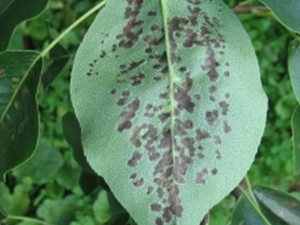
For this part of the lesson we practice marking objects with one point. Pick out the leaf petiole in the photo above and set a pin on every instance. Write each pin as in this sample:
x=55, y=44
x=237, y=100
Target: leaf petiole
x=71, y=27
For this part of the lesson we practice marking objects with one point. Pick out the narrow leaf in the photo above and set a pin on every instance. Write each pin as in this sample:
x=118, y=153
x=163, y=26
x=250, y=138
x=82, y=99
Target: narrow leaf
x=13, y=12
x=169, y=100
x=294, y=67
x=282, y=205
x=244, y=213
x=288, y=12
x=72, y=134
x=19, y=80
x=296, y=138
x=58, y=60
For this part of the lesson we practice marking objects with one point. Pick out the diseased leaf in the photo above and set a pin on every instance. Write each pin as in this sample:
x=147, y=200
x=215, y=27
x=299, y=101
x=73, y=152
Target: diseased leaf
x=170, y=105
x=19, y=78
x=288, y=12
x=296, y=138
x=282, y=205
x=21, y=10
x=294, y=67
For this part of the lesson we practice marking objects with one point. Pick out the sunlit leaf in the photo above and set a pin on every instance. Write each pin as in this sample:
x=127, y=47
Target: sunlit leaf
x=282, y=205
x=169, y=100
x=13, y=12
x=296, y=138
x=287, y=11
x=19, y=78
x=294, y=67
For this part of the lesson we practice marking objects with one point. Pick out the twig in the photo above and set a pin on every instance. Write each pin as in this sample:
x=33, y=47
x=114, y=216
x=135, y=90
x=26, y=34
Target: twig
x=249, y=9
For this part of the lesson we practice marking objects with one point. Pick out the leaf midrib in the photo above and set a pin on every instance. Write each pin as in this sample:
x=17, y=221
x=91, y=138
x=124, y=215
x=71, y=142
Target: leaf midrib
x=172, y=77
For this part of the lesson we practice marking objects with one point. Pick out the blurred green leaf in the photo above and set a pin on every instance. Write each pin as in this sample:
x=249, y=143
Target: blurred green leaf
x=68, y=175
x=101, y=208
x=5, y=199
x=296, y=138
x=19, y=79
x=243, y=213
x=57, y=61
x=294, y=66
x=42, y=166
x=20, y=198
x=72, y=133
x=88, y=182
x=59, y=212
x=288, y=12
x=13, y=12
x=279, y=205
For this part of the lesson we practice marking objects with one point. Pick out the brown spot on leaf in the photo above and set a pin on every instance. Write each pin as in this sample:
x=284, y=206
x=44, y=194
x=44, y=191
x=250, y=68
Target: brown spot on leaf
x=155, y=207
x=200, y=179
x=134, y=159
x=211, y=116
x=128, y=114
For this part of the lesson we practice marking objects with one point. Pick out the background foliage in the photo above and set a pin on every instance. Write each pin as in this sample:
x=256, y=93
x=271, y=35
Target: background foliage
x=50, y=190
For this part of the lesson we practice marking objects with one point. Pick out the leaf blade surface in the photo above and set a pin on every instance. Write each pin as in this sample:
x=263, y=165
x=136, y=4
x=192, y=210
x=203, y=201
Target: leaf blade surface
x=19, y=78
x=163, y=100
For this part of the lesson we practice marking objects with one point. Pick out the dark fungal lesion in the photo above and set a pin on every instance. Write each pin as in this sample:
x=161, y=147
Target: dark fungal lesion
x=154, y=142
x=128, y=114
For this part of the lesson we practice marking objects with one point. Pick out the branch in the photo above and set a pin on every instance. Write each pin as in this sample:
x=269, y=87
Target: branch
x=249, y=9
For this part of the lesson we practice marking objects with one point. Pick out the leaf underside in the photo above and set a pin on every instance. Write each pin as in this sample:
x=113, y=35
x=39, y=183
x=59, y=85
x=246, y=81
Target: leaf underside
x=169, y=100
x=288, y=12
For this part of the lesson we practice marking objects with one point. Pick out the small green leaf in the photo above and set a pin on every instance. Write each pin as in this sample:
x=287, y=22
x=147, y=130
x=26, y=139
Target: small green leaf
x=101, y=208
x=294, y=67
x=13, y=12
x=19, y=79
x=282, y=205
x=170, y=104
x=244, y=213
x=42, y=166
x=288, y=12
x=296, y=138
x=59, y=212
x=5, y=200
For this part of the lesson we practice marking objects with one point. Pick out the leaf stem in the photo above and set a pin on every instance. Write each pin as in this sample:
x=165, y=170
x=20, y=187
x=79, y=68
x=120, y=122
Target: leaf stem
x=254, y=204
x=27, y=219
x=71, y=27
x=241, y=9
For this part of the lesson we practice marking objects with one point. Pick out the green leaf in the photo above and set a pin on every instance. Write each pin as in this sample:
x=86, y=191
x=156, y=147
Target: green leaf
x=58, y=60
x=101, y=208
x=169, y=100
x=296, y=138
x=19, y=78
x=72, y=134
x=244, y=213
x=288, y=12
x=282, y=205
x=21, y=10
x=43, y=165
x=64, y=214
x=88, y=182
x=294, y=67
